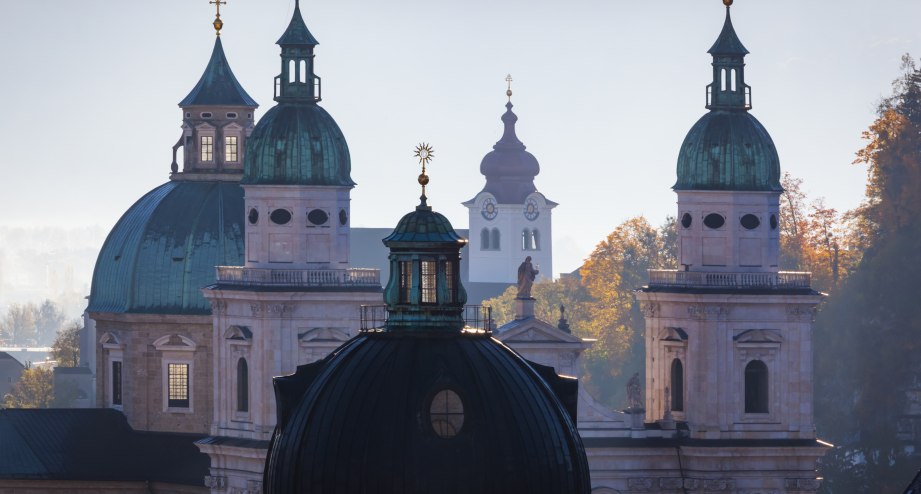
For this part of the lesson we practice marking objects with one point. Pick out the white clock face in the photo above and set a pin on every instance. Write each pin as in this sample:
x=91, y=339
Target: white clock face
x=531, y=212
x=489, y=211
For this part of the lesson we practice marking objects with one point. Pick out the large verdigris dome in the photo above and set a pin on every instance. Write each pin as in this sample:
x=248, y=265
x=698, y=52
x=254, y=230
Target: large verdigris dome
x=164, y=249
x=728, y=150
x=297, y=144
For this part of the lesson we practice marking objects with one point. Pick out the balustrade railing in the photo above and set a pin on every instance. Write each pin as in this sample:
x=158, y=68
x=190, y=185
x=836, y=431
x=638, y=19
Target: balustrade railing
x=475, y=317
x=698, y=279
x=238, y=275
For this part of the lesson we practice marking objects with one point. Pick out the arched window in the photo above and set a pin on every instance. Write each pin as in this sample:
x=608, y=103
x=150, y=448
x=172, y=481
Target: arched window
x=303, y=75
x=496, y=240
x=723, y=79
x=292, y=71
x=526, y=239
x=677, y=397
x=406, y=281
x=756, y=387
x=733, y=79
x=535, y=240
x=242, y=386
x=484, y=239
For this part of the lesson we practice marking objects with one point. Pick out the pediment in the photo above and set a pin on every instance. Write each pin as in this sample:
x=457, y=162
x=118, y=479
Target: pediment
x=109, y=340
x=323, y=335
x=239, y=333
x=534, y=331
x=174, y=342
x=673, y=334
x=759, y=336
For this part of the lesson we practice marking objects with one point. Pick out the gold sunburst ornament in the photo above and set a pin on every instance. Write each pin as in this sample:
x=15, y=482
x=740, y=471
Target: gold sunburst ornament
x=424, y=153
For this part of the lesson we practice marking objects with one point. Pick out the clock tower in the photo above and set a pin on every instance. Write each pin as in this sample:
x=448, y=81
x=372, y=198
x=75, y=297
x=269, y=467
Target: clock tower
x=509, y=218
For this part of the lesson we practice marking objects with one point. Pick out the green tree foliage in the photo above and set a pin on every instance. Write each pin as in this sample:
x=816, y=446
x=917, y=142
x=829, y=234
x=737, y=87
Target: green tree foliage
x=868, y=377
x=66, y=347
x=35, y=389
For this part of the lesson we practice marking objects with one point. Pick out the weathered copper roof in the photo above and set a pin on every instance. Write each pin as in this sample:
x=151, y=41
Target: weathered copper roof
x=164, y=249
x=424, y=226
x=728, y=42
x=218, y=86
x=358, y=422
x=297, y=32
x=297, y=144
x=728, y=150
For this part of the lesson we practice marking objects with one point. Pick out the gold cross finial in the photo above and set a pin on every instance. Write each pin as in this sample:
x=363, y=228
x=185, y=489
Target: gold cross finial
x=218, y=23
x=508, y=92
x=424, y=153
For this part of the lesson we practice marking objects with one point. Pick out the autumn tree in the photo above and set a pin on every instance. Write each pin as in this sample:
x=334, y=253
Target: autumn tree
x=66, y=347
x=35, y=389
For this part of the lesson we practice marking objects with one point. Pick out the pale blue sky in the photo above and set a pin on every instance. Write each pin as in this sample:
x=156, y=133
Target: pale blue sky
x=605, y=91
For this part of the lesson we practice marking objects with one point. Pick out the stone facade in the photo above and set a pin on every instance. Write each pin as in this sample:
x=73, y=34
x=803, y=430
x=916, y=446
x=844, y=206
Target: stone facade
x=143, y=345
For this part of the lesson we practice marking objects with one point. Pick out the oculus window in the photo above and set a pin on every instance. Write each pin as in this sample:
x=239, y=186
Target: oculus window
x=446, y=414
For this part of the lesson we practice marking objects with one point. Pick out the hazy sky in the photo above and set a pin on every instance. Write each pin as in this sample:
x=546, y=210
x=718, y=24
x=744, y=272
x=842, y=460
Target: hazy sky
x=605, y=91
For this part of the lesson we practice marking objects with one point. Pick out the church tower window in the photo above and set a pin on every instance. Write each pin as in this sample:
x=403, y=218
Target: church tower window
x=230, y=149
x=116, y=382
x=178, y=382
x=450, y=282
x=207, y=148
x=535, y=240
x=406, y=281
x=677, y=391
x=484, y=239
x=242, y=386
x=428, y=282
x=496, y=239
x=756, y=387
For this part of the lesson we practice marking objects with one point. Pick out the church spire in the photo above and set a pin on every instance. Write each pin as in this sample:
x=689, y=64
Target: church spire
x=297, y=81
x=728, y=90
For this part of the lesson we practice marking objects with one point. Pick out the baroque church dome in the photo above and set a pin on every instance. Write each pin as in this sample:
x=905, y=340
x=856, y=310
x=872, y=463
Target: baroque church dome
x=509, y=169
x=164, y=249
x=728, y=148
x=297, y=142
x=425, y=403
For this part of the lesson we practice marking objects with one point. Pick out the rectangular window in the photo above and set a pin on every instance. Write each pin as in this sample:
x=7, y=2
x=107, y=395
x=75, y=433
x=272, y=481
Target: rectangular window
x=116, y=382
x=406, y=281
x=428, y=282
x=449, y=281
x=178, y=382
x=207, y=148
x=230, y=149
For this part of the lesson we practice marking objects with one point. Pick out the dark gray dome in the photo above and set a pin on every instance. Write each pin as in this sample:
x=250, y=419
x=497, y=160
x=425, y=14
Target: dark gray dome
x=365, y=422
x=509, y=169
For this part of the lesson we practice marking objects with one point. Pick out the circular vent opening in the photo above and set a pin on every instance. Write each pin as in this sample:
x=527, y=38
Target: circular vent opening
x=750, y=222
x=280, y=216
x=714, y=221
x=253, y=216
x=686, y=220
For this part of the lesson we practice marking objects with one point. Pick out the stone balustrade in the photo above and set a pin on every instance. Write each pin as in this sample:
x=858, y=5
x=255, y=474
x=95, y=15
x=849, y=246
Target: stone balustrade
x=703, y=279
x=239, y=275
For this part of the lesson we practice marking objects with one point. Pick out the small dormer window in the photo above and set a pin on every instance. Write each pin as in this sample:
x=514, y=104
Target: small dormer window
x=206, y=114
x=207, y=148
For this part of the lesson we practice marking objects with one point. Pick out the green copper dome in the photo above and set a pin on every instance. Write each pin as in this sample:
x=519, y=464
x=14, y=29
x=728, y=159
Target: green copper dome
x=164, y=249
x=297, y=144
x=728, y=150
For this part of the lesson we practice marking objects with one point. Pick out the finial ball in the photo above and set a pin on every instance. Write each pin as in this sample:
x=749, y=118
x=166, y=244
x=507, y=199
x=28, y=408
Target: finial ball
x=423, y=179
x=727, y=2
x=509, y=93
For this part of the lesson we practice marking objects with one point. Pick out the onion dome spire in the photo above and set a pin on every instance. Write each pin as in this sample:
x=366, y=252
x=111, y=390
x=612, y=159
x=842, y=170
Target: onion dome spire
x=509, y=169
x=297, y=81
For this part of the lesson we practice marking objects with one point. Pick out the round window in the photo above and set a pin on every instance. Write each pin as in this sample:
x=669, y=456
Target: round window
x=280, y=216
x=750, y=222
x=343, y=217
x=253, y=216
x=773, y=222
x=714, y=221
x=317, y=217
x=686, y=220
x=446, y=414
